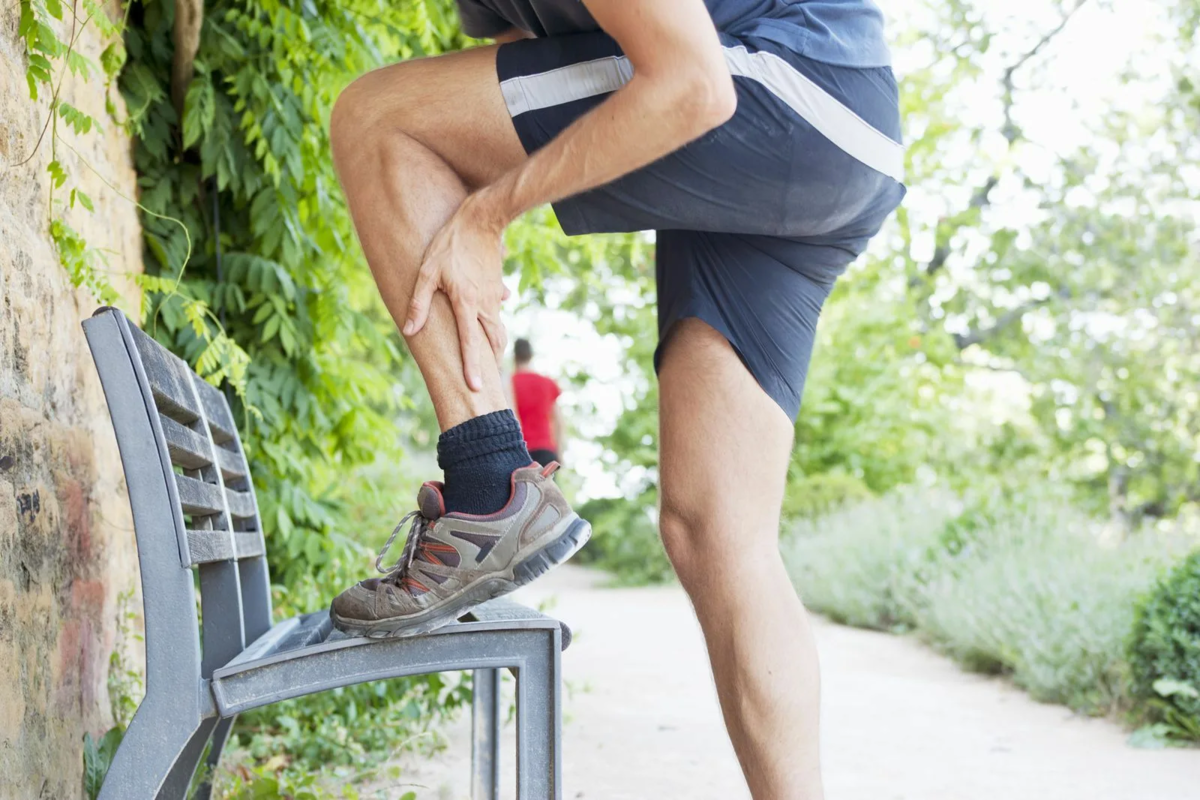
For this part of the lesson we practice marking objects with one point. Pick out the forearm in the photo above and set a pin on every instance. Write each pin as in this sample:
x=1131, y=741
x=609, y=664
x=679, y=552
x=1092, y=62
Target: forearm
x=646, y=119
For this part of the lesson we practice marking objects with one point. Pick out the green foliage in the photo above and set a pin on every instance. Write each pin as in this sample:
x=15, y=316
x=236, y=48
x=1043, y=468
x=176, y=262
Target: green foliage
x=822, y=494
x=1164, y=651
x=97, y=758
x=125, y=684
x=860, y=565
x=124, y=694
x=1019, y=583
x=43, y=48
x=82, y=262
x=266, y=783
x=625, y=542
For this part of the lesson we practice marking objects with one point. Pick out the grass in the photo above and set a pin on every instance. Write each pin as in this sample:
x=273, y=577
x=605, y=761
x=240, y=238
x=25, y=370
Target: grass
x=1020, y=584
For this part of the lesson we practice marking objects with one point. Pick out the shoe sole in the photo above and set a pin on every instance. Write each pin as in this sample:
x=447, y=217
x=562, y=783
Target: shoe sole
x=486, y=588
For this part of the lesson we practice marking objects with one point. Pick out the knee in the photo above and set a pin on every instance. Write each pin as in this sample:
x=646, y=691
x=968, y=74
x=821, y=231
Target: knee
x=692, y=538
x=346, y=124
x=711, y=542
x=364, y=122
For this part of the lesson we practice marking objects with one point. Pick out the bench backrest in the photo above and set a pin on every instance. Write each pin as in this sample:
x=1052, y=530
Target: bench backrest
x=193, y=504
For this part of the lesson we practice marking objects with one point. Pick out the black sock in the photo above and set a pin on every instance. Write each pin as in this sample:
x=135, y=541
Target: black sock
x=478, y=458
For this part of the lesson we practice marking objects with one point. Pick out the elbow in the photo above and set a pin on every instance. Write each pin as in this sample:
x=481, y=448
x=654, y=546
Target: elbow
x=712, y=99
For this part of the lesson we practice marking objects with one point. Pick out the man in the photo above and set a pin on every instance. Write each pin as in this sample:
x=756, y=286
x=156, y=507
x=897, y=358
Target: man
x=760, y=138
x=535, y=399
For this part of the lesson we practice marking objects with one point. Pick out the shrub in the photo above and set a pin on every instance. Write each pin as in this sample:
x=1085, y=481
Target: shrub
x=625, y=542
x=817, y=495
x=1164, y=651
x=1017, y=582
x=859, y=565
x=1036, y=595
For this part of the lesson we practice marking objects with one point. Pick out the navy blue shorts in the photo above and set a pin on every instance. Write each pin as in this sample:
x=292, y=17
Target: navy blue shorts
x=755, y=219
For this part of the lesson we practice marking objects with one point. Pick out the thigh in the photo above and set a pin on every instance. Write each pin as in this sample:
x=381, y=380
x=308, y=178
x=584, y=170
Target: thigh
x=762, y=294
x=450, y=103
x=724, y=444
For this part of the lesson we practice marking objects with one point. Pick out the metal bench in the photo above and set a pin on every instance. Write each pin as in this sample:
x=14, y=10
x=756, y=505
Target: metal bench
x=194, y=507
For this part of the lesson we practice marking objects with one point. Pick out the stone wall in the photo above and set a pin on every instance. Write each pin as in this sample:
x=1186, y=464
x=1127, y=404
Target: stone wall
x=66, y=537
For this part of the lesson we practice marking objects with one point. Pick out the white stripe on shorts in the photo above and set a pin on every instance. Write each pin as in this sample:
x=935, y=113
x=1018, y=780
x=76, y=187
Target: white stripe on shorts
x=840, y=125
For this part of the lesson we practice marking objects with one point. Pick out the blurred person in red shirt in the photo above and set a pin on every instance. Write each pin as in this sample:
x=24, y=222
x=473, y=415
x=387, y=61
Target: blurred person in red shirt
x=535, y=399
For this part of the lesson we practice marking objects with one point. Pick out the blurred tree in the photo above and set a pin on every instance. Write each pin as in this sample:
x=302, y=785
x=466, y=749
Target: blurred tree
x=1092, y=297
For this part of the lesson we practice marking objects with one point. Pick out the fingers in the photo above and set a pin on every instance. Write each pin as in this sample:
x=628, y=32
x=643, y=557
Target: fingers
x=466, y=316
x=422, y=297
x=496, y=334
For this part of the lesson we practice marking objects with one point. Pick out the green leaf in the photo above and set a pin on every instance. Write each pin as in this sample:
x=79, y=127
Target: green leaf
x=58, y=175
x=84, y=200
x=97, y=758
x=80, y=64
x=113, y=58
x=26, y=23
x=270, y=329
x=198, y=110
x=1167, y=687
x=78, y=121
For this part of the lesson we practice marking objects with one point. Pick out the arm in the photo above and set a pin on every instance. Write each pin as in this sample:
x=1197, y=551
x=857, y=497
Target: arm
x=681, y=88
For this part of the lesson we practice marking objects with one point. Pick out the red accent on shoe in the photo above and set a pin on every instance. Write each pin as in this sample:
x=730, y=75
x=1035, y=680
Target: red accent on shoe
x=438, y=489
x=550, y=469
x=410, y=582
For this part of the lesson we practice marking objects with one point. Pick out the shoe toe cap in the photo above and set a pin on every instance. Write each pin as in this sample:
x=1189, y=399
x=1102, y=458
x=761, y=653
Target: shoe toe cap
x=357, y=602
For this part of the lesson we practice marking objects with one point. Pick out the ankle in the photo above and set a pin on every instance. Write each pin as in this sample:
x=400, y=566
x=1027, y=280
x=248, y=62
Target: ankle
x=478, y=458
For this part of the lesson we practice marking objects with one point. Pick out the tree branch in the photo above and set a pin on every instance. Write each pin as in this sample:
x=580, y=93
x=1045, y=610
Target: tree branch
x=189, y=19
x=1010, y=131
x=980, y=199
x=981, y=335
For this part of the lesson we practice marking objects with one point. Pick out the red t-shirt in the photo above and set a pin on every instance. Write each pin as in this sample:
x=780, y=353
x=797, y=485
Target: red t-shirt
x=534, y=397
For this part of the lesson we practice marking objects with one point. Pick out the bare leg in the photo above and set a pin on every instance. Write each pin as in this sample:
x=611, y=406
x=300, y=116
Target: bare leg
x=721, y=495
x=409, y=141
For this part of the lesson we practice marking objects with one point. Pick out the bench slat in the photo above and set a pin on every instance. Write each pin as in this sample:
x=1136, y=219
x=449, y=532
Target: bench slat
x=247, y=544
x=207, y=547
x=241, y=504
x=313, y=629
x=502, y=610
x=233, y=466
x=197, y=498
x=220, y=421
x=170, y=379
x=188, y=449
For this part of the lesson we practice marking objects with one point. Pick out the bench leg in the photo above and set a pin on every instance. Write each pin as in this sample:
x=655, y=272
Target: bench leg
x=178, y=780
x=539, y=728
x=219, y=737
x=485, y=735
x=156, y=741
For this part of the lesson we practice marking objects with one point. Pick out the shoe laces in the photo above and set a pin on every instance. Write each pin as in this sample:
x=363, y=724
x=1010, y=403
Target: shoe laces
x=397, y=573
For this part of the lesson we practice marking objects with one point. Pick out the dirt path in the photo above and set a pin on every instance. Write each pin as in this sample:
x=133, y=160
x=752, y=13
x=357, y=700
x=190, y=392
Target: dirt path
x=901, y=723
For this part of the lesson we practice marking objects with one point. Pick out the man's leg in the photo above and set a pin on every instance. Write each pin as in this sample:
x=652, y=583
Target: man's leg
x=724, y=448
x=409, y=141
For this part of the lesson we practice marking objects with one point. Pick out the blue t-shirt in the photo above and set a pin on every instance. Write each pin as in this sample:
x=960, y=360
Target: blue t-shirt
x=846, y=33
